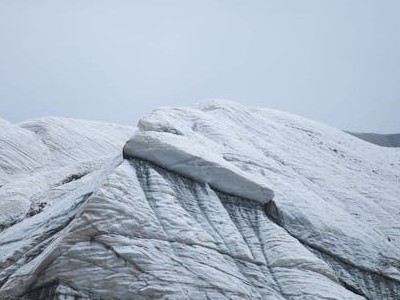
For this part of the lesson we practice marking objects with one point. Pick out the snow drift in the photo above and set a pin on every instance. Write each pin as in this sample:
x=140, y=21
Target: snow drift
x=218, y=202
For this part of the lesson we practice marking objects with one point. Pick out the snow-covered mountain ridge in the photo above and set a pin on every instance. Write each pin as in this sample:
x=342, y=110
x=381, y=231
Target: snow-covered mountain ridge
x=218, y=202
x=386, y=140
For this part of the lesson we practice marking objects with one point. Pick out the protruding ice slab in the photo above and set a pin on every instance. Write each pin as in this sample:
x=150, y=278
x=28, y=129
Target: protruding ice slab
x=176, y=153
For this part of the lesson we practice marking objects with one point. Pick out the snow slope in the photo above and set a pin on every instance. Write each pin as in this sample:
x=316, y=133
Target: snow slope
x=218, y=202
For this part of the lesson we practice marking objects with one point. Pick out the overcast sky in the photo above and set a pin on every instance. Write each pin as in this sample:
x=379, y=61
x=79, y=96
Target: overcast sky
x=335, y=61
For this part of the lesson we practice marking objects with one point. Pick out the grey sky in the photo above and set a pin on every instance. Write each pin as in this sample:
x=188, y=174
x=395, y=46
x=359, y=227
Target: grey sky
x=335, y=61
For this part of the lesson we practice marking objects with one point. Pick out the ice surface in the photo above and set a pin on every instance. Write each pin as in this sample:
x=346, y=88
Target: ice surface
x=218, y=202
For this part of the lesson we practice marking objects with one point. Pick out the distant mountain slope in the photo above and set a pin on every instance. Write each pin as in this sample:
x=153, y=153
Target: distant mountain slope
x=386, y=140
x=221, y=201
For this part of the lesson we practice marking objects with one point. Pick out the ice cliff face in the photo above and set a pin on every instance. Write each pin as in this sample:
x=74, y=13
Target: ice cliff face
x=218, y=202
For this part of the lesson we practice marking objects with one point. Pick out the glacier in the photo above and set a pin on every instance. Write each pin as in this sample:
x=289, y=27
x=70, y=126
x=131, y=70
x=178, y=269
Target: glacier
x=219, y=201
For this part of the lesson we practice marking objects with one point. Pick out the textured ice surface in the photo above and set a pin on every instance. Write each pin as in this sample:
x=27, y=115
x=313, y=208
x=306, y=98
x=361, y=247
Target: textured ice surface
x=218, y=202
